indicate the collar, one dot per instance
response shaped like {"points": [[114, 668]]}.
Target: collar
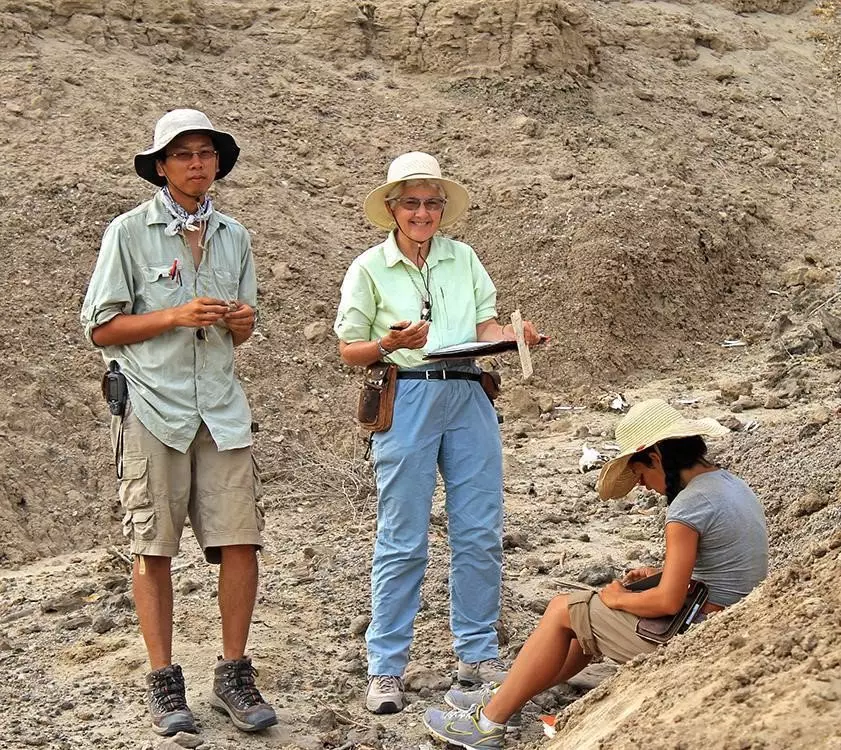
{"points": [[157, 213], [440, 249]]}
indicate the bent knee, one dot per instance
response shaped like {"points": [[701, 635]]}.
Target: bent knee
{"points": [[558, 611]]}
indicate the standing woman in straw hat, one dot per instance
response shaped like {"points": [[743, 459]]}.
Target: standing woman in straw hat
{"points": [[715, 532], [414, 292]]}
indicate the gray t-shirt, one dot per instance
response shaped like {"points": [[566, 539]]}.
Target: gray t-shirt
{"points": [[733, 544]]}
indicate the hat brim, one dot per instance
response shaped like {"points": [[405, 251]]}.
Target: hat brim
{"points": [[616, 479], [377, 213], [144, 162]]}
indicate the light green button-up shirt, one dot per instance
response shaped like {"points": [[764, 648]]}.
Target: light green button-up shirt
{"points": [[176, 380], [382, 286]]}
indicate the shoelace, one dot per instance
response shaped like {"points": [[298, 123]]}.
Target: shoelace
{"points": [[389, 683], [463, 713], [496, 664], [168, 690], [240, 676]]}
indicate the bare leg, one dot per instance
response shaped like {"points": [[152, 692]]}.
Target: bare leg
{"points": [[152, 585], [542, 660], [576, 661], [237, 593]]}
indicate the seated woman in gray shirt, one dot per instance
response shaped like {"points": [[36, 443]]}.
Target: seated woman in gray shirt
{"points": [[715, 532]]}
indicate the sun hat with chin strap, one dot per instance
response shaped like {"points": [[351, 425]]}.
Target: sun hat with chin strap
{"points": [[645, 424], [415, 165], [175, 123]]}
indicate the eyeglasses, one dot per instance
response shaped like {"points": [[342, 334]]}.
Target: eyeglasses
{"points": [[433, 205], [185, 157]]}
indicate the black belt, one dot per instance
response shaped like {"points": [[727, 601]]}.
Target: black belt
{"points": [[437, 375]]}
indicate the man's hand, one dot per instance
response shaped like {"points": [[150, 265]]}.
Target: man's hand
{"points": [[638, 574], [240, 321], [199, 312], [612, 593], [410, 336]]}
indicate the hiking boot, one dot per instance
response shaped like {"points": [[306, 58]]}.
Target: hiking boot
{"points": [[384, 694], [236, 694], [165, 696], [480, 672], [467, 699], [461, 728]]}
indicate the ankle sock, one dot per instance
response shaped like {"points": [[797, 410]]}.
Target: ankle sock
{"points": [[485, 724]]}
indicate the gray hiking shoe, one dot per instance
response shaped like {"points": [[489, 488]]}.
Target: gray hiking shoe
{"points": [[461, 728], [480, 672], [235, 693], [467, 699], [165, 696], [384, 694]]}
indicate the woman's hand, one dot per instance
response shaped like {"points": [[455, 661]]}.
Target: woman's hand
{"points": [[638, 574], [409, 336], [611, 594]]}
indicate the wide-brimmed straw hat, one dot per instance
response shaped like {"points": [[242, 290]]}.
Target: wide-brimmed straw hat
{"points": [[415, 165], [645, 424], [175, 123]]}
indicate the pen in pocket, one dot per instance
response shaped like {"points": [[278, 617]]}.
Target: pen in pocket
{"points": [[175, 271]]}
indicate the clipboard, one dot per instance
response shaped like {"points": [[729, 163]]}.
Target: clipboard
{"points": [[472, 349]]}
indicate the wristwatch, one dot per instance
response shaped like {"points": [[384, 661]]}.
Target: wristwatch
{"points": [[383, 351]]}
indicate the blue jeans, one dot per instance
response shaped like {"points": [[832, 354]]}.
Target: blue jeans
{"points": [[452, 426]]}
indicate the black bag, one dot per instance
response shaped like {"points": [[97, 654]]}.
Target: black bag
{"points": [[661, 629]]}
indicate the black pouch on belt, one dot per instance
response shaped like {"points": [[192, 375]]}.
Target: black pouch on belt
{"points": [[115, 389], [491, 382]]}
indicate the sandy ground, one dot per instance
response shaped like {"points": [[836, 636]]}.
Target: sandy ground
{"points": [[647, 180]]}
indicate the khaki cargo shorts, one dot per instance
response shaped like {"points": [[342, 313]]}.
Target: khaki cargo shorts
{"points": [[602, 630], [218, 490]]}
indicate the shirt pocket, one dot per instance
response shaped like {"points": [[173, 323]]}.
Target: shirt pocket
{"points": [[161, 290], [225, 284]]}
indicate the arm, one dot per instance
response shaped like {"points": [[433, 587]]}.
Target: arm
{"points": [[364, 353], [491, 330], [668, 597], [131, 329]]}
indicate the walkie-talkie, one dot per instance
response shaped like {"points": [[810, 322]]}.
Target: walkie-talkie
{"points": [[115, 389]]}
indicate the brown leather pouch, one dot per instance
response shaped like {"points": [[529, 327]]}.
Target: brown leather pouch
{"points": [[376, 399], [491, 382], [661, 629]]}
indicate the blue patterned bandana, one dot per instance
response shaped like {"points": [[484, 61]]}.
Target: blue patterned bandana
{"points": [[183, 220]]}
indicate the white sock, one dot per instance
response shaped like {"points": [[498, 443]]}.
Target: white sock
{"points": [[485, 724]]}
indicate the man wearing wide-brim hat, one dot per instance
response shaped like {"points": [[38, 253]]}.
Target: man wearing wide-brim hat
{"points": [[173, 292]]}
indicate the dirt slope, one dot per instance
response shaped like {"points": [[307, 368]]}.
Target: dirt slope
{"points": [[647, 179]]}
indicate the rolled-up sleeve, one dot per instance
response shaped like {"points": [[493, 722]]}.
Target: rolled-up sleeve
{"points": [[484, 291], [357, 307], [110, 291]]}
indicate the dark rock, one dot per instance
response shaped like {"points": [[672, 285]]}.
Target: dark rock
{"points": [[597, 574], [515, 540]]}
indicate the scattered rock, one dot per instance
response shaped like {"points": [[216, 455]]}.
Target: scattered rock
{"points": [[62, 604], [730, 389], [744, 402], [418, 677], [316, 332], [522, 404], [102, 624], [811, 502], [515, 540], [597, 574], [323, 719], [359, 624], [773, 401], [188, 585], [721, 72]]}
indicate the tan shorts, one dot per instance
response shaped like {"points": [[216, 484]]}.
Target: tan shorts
{"points": [[218, 490], [602, 630]]}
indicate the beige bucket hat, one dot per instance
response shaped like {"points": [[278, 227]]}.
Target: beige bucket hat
{"points": [[415, 165], [645, 424], [173, 124]]}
